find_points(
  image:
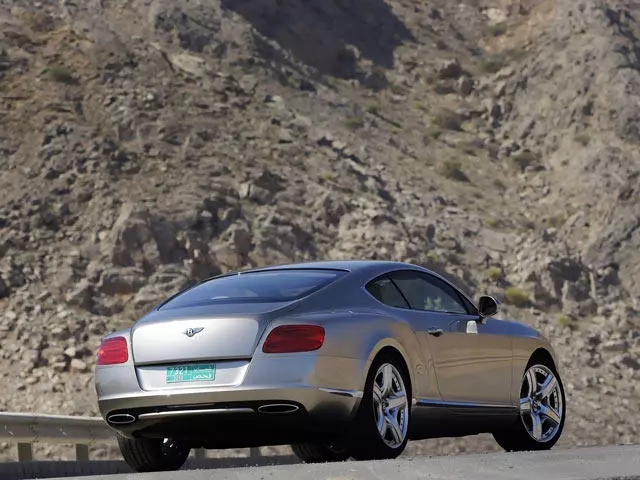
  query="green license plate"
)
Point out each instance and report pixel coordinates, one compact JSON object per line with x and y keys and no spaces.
{"x":191,"y":373}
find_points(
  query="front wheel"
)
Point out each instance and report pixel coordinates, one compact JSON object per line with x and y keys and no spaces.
{"x":382,"y":422}
{"x":153,"y":454}
{"x":542,"y":411}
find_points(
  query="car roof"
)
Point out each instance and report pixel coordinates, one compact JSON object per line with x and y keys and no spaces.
{"x":346,"y":265}
{"x":361,"y":267}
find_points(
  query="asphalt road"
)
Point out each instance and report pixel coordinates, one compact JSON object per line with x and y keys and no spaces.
{"x":592,"y":463}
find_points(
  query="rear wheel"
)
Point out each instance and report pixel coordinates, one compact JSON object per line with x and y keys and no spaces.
{"x":542,"y":411}
{"x":319,"y":452}
{"x":382,"y":422}
{"x":153,"y":454}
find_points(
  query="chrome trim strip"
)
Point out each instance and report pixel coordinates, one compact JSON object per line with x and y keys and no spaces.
{"x":343,"y":393}
{"x":423,"y":402}
{"x":186,"y":413}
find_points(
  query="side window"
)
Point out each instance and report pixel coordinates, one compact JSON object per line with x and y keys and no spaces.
{"x":383,"y":289}
{"x":424,"y":292}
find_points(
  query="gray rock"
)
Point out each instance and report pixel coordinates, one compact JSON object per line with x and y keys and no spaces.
{"x":4,"y":288}
{"x":449,"y":69}
{"x":615,"y":346}
{"x":631,"y":362}
{"x":118,"y":281}
{"x":77,"y":365}
{"x":242,"y":241}
{"x":81,"y":295}
{"x":465,"y":85}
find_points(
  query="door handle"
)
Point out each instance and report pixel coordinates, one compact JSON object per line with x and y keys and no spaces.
{"x":436,"y":332}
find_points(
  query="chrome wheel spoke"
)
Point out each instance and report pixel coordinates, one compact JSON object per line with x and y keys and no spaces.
{"x":536,"y":426}
{"x":525,"y":405}
{"x":387,"y":379}
{"x":396,"y":402}
{"x":551,"y":414}
{"x":533,"y":383}
{"x":377,"y":393}
{"x":394,"y":427}
{"x":382,"y":426}
{"x":548,"y":387}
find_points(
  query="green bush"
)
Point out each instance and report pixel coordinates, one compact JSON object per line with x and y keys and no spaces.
{"x":498,"y":29}
{"x":373,"y":108}
{"x":491,"y":222}
{"x":329,"y":175}
{"x":493,"y":63}
{"x":583,"y":139}
{"x":434,"y":132}
{"x":564,"y":320}
{"x":453,"y":169}
{"x":421,"y":106}
{"x":517,"y":296}
{"x":499,"y":184}
{"x":558,"y":220}
{"x":355,"y":122}
{"x":448,"y":120}
{"x":433,"y":256}
{"x":494,"y":274}
{"x":61,"y":74}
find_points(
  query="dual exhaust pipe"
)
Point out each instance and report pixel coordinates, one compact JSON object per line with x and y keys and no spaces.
{"x":267,"y":409}
{"x":121,"y":419}
{"x":278,"y":408}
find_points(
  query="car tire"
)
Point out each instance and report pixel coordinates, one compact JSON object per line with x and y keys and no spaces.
{"x":319,"y":453}
{"x":542,"y":411}
{"x":380,"y":430}
{"x":153,"y":454}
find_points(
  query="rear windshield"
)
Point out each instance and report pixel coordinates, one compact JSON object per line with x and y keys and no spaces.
{"x":255,"y":287}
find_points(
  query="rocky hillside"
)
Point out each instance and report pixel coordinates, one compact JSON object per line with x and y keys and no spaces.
{"x":147,"y":144}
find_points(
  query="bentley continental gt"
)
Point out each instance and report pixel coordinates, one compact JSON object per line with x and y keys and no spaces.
{"x":345,"y":359}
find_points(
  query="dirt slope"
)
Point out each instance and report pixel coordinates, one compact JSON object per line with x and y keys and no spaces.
{"x":147,"y":144}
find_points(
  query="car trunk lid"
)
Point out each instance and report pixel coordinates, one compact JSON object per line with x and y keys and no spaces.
{"x":192,"y":334}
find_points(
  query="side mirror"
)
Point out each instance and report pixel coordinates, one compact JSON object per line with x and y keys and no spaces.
{"x":487,"y":306}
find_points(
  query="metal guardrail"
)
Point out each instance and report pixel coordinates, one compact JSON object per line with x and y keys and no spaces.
{"x":28,"y":428}
{"x":25,"y":429}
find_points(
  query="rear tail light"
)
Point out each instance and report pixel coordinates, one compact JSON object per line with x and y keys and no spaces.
{"x":294,"y":338}
{"x":113,"y":351}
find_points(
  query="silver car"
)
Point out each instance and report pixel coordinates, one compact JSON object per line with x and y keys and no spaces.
{"x":338,"y":359}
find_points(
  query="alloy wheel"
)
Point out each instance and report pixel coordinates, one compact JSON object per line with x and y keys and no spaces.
{"x":541,"y":405}
{"x":390,"y":405}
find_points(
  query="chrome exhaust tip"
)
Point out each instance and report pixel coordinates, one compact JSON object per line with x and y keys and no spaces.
{"x":278,"y":408}
{"x":121,"y":419}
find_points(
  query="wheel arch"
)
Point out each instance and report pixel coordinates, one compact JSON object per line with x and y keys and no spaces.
{"x":543,"y":355}
{"x":526,"y":350}
{"x":389,"y":346}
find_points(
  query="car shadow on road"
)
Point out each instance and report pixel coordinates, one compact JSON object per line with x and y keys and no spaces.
{"x":72,"y":469}
{"x":240,"y":462}
{"x":319,"y":33}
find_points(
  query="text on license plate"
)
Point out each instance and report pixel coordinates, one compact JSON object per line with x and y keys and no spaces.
{"x":191,"y":373}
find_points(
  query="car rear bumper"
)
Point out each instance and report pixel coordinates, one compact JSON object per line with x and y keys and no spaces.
{"x":275,"y":399}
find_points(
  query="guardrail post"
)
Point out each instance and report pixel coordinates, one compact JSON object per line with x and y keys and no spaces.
{"x":254,"y":452}
{"x":25,"y":452}
{"x":82,"y":452}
